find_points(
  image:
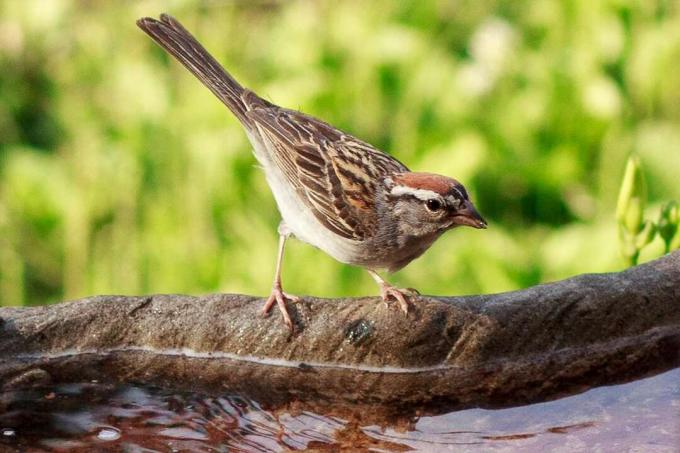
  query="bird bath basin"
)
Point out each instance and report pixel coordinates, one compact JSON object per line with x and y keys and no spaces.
{"x":590,"y":362}
{"x":639,"y":416}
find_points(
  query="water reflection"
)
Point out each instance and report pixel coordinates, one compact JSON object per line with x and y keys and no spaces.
{"x":639,"y":416}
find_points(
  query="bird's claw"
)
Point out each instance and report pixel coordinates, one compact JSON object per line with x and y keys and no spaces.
{"x":398,"y":294}
{"x":292,"y":298}
{"x":279,"y":297}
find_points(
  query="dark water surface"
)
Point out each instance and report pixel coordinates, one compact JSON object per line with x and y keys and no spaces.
{"x":642,"y":416}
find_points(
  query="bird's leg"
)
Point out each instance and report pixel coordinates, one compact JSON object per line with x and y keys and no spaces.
{"x":388,"y":291}
{"x":277,"y":295}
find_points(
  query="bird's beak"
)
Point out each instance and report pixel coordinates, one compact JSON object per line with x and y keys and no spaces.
{"x":469,"y":216}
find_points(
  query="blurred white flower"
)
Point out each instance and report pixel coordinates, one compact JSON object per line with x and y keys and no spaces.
{"x":475,"y":79}
{"x":609,"y":39}
{"x":491,"y":47}
{"x":395,"y":44}
{"x":493,"y":43}
{"x":601,"y":98}
{"x":11,"y":38}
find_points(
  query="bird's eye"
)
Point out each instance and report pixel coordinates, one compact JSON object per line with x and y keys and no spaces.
{"x":433,"y":205}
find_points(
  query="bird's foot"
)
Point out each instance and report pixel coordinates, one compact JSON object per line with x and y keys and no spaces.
{"x":280,"y":298}
{"x":401,"y":295}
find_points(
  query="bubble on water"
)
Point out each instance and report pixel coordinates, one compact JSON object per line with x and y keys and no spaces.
{"x":8,"y":432}
{"x":108,"y":434}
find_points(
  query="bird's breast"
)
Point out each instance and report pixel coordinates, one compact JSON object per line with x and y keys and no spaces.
{"x":299,"y":218}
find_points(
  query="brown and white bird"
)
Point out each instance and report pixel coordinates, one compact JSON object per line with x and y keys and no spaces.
{"x":333,"y":191}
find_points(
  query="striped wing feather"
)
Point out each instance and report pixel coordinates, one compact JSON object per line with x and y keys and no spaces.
{"x":334,"y":173}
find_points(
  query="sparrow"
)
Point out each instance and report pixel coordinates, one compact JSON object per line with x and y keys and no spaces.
{"x":333,"y":191}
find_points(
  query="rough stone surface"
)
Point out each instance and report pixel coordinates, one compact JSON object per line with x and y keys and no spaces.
{"x":492,"y":350}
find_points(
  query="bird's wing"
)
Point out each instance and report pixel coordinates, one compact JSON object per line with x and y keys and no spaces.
{"x":334,"y":173}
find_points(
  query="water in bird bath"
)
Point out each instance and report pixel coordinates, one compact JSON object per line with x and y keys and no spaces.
{"x":638,"y":416}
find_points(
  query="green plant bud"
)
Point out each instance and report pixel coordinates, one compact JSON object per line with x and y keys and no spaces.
{"x":646,"y":235}
{"x":668,"y":222}
{"x":633,"y":217}
{"x":675,"y":243}
{"x":632,"y":197}
{"x":627,"y":245}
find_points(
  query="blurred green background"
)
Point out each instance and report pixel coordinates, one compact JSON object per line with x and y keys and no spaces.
{"x":120,"y":173}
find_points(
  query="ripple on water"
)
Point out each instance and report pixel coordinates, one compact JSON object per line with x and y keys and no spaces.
{"x":640,"y":415}
{"x":108,"y":434}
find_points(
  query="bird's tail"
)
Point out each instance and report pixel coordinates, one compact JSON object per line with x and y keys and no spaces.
{"x":182,"y":45}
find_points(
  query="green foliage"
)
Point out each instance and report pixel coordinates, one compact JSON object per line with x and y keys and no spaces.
{"x":120,"y":173}
{"x":668,"y":225}
{"x":634,"y":231}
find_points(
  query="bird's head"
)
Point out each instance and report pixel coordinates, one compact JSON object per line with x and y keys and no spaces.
{"x":428,"y":204}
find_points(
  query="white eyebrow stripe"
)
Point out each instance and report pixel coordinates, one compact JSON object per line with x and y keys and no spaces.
{"x":421,"y":194}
